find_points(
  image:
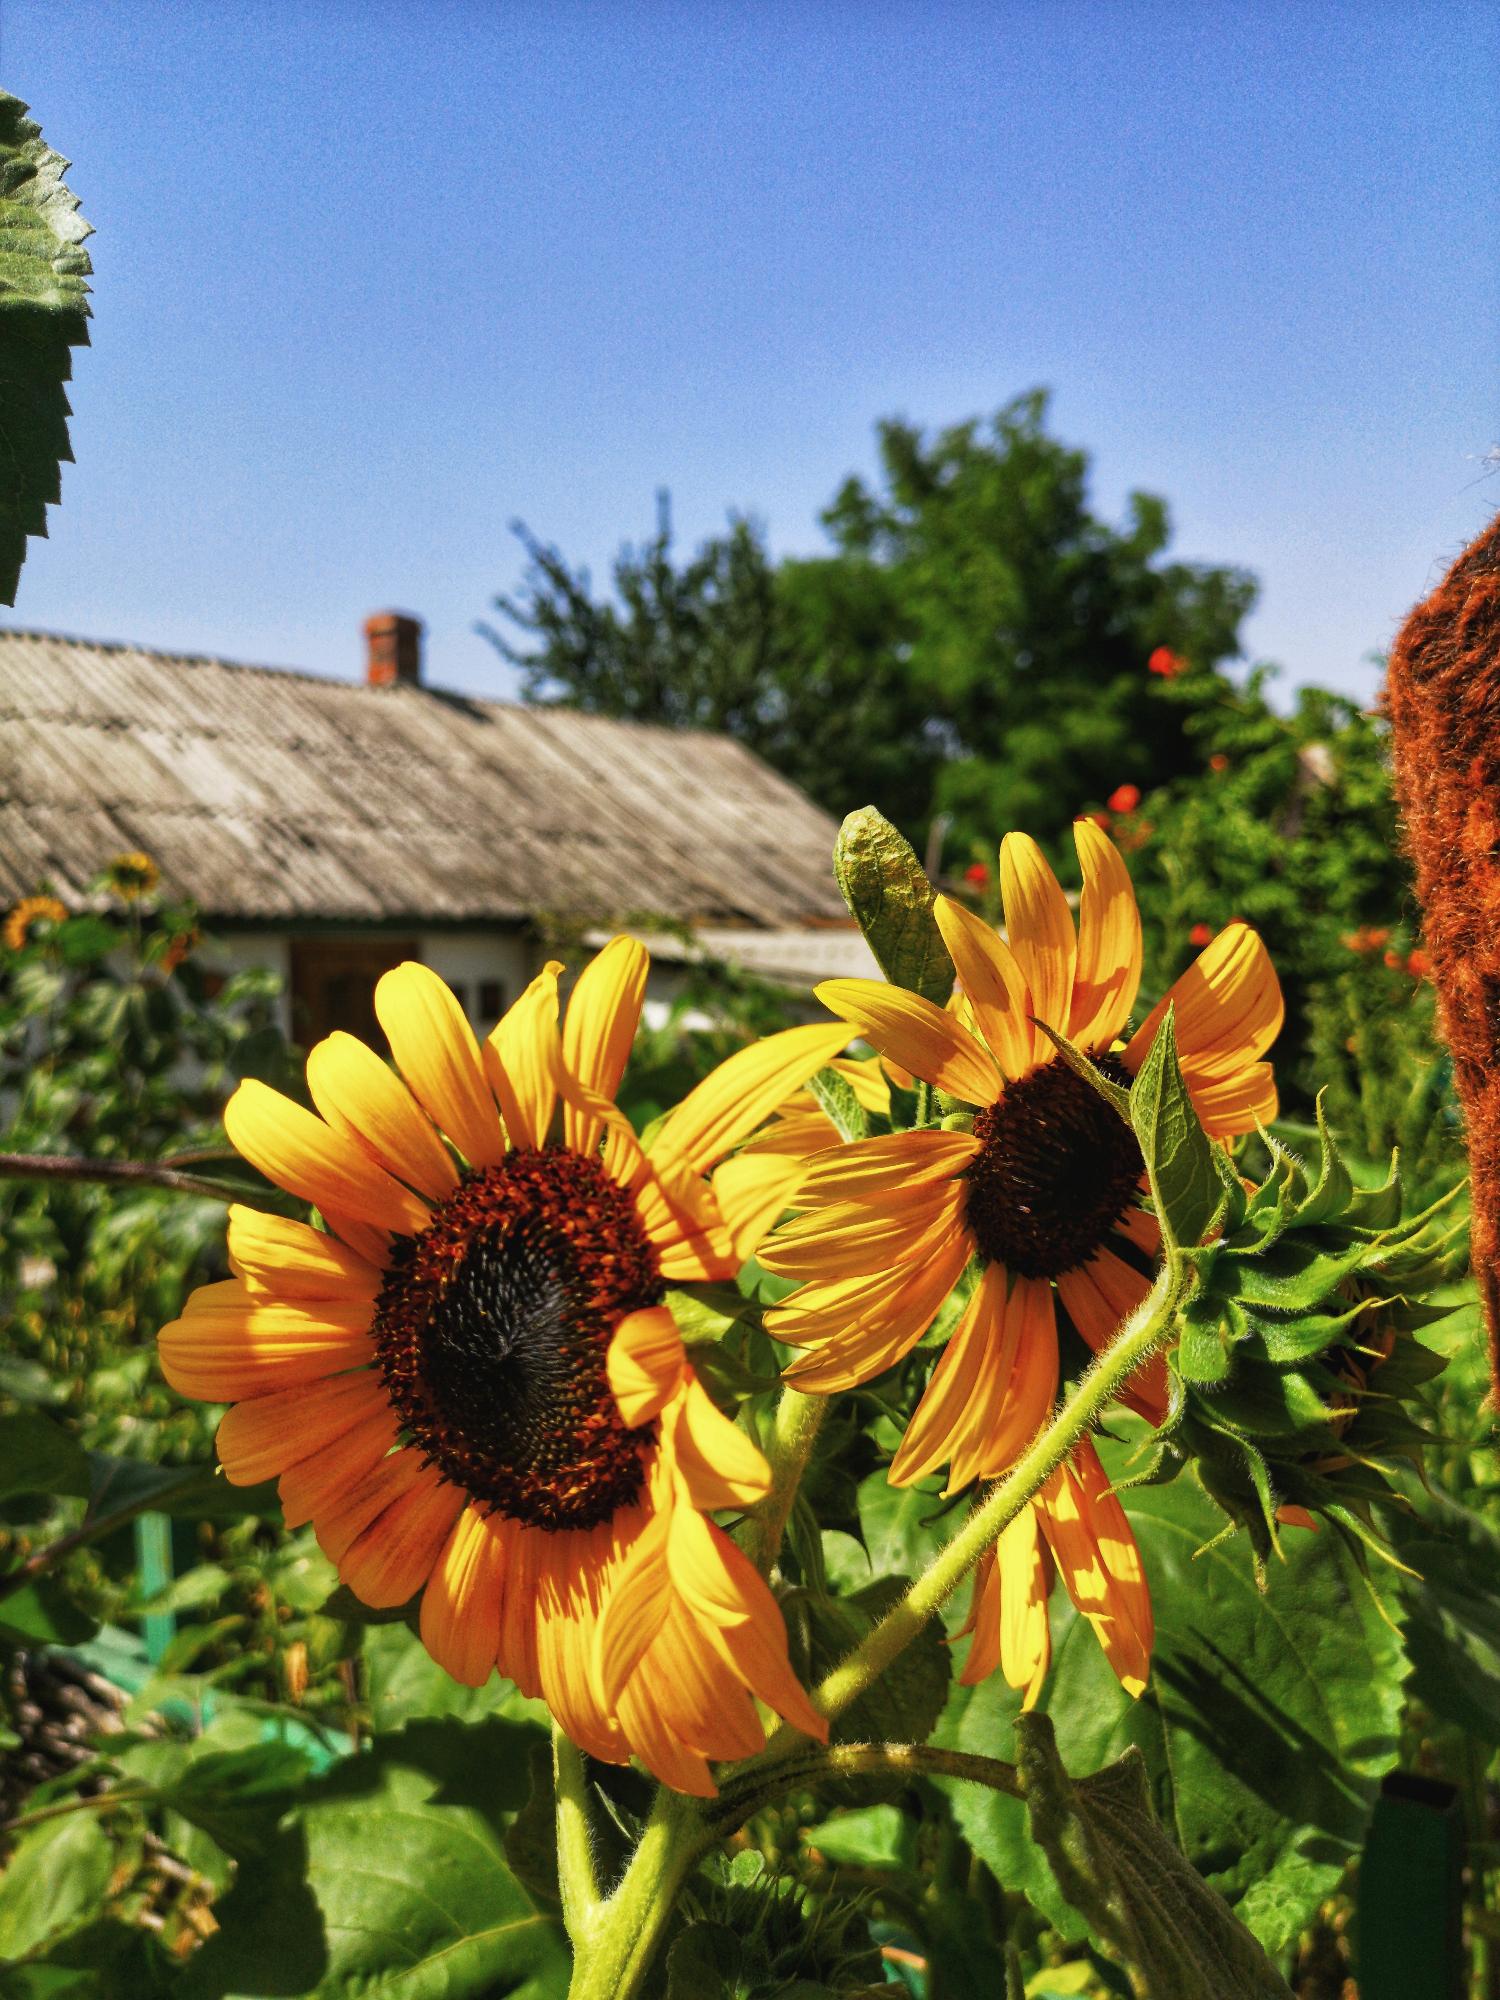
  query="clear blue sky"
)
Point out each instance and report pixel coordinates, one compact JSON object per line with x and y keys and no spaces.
{"x":374,"y":279}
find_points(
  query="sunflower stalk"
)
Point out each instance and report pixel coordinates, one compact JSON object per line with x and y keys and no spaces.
{"x":618,"y":1954}
{"x":576,"y":1874}
{"x":794,"y":1432}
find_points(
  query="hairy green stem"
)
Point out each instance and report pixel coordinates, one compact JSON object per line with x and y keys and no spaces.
{"x":576,"y":1875}
{"x":739,"y":1801}
{"x":611,"y":1962}
{"x":794,"y":1432}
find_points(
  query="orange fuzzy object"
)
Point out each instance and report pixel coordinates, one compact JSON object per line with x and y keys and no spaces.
{"x":1443,"y":698}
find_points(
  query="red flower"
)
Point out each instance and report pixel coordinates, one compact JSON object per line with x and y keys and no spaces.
{"x":1218,"y":761}
{"x":978,"y":873}
{"x":1101,"y":819}
{"x":1166,"y":663}
{"x":1419,"y":965}
{"x":1367,"y":940}
{"x":1124,"y":798}
{"x":1200,"y":935}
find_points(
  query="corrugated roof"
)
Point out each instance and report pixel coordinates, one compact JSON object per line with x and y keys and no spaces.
{"x":271,"y":795}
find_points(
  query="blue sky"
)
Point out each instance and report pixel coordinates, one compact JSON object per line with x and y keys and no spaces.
{"x":373,"y":280}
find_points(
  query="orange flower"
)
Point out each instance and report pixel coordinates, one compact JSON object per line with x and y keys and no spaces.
{"x":1124,"y":798}
{"x":1046,"y":1187}
{"x":1078,"y":1525}
{"x":1366,"y":940}
{"x":1218,"y":761}
{"x":1419,"y":965}
{"x":1394,"y":960}
{"x":1166,"y":663}
{"x":1200,"y":934}
{"x":468,"y":1381}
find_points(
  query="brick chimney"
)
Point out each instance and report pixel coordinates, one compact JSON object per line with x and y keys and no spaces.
{"x":393,"y":649}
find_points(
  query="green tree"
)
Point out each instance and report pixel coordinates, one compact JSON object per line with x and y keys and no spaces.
{"x":977,"y":642}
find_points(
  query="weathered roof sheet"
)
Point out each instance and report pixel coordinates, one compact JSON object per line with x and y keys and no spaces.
{"x":279,"y":796}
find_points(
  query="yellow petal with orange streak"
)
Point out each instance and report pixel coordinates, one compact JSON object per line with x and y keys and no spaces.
{"x":436,"y":1052}
{"x":645,"y":1363}
{"x":460,"y":1618}
{"x":388,"y":1562}
{"x":752,"y":1191}
{"x":516,"y":1654}
{"x":717,"y":1463}
{"x":1039,"y":925}
{"x":342,"y":1514}
{"x":1098,"y":1296}
{"x":292,"y":1260}
{"x":262,"y":1438}
{"x":362,"y":1097}
{"x":885,"y":1169}
{"x":604,"y":1011}
{"x":1100,"y":1563}
{"x":1108,"y":972}
{"x":917,"y":1036}
{"x":299,"y":1152}
{"x":223,"y":1350}
{"x":1239,"y":1102}
{"x":633,"y":1610}
{"x":522,"y":1058}
{"x":570,"y":1585}
{"x":742,"y":1093}
{"x":880,"y":1339}
{"x":993,"y":983}
{"x":319,"y":1484}
{"x":1228,"y":1009}
{"x":1025,"y":1578}
{"x":852,"y":1241}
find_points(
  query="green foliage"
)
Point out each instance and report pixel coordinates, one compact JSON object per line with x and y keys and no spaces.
{"x":976,"y":644}
{"x":43,"y":315}
{"x":1267,"y":1724}
{"x":1119,"y":1870}
{"x":1185,"y":1183}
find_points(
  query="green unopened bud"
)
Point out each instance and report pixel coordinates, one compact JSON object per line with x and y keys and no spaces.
{"x":891,"y":899}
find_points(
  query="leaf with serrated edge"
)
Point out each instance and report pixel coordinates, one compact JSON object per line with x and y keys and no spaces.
{"x":1179,"y":1155}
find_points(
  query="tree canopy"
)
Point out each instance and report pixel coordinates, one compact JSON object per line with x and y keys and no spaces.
{"x":978,"y":641}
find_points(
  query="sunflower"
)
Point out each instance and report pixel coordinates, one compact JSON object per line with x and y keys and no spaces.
{"x":27,"y":915}
{"x":132,"y":875}
{"x":1044,"y":1191}
{"x":1074,"y":1524}
{"x":468,"y":1380}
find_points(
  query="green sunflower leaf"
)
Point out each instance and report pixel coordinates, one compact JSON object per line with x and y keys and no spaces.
{"x":835,"y":1094}
{"x":1179,"y":1156}
{"x":1109,"y":1855}
{"x":1269,"y":1719}
{"x":43,"y":314}
{"x":1330,"y":1196}
{"x":390,"y":1876}
{"x":891,"y":899}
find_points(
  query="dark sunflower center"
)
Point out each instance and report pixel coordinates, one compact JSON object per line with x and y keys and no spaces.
{"x":492,"y":1329}
{"x":1056,"y":1169}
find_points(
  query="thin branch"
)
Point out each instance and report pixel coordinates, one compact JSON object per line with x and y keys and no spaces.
{"x":121,"y":1173}
{"x":742,"y":1798}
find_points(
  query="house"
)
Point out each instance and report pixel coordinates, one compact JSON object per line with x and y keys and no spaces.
{"x":327,"y":830}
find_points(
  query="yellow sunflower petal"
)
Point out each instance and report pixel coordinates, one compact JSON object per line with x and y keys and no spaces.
{"x":993,"y":983}
{"x":888,"y":1168}
{"x":460,"y":1619}
{"x":292,"y":1260}
{"x":704,"y":1704}
{"x":302,"y":1154}
{"x":315,"y":1485}
{"x":634,"y":1609}
{"x":1235,"y":1103}
{"x":643,"y":1709}
{"x":1100,"y":1564}
{"x":1228,"y":1009}
{"x":1109,"y":941}
{"x":751,"y":1192}
{"x":436,"y":1052}
{"x":743,"y":1092}
{"x":926,"y":1040}
{"x":737,"y":1613}
{"x":872,"y":1345}
{"x":1039,"y":925}
{"x":341,"y":1513}
{"x":389,"y":1561}
{"x":521,"y":1551}
{"x":358,"y":1095}
{"x":645,"y":1363}
{"x":1098,"y":1296}
{"x":263,"y":1437}
{"x":849,"y":1241}
{"x":1025,"y":1575}
{"x":250,"y":1347}
{"x":717,"y":1463}
{"x":604,"y":1010}
{"x":570,"y":1583}
{"x":522,"y":1058}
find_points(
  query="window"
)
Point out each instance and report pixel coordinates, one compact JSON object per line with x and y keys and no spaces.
{"x":491,"y":1004}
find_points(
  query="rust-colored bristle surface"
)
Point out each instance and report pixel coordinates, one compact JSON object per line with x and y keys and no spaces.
{"x":1443,"y":696}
